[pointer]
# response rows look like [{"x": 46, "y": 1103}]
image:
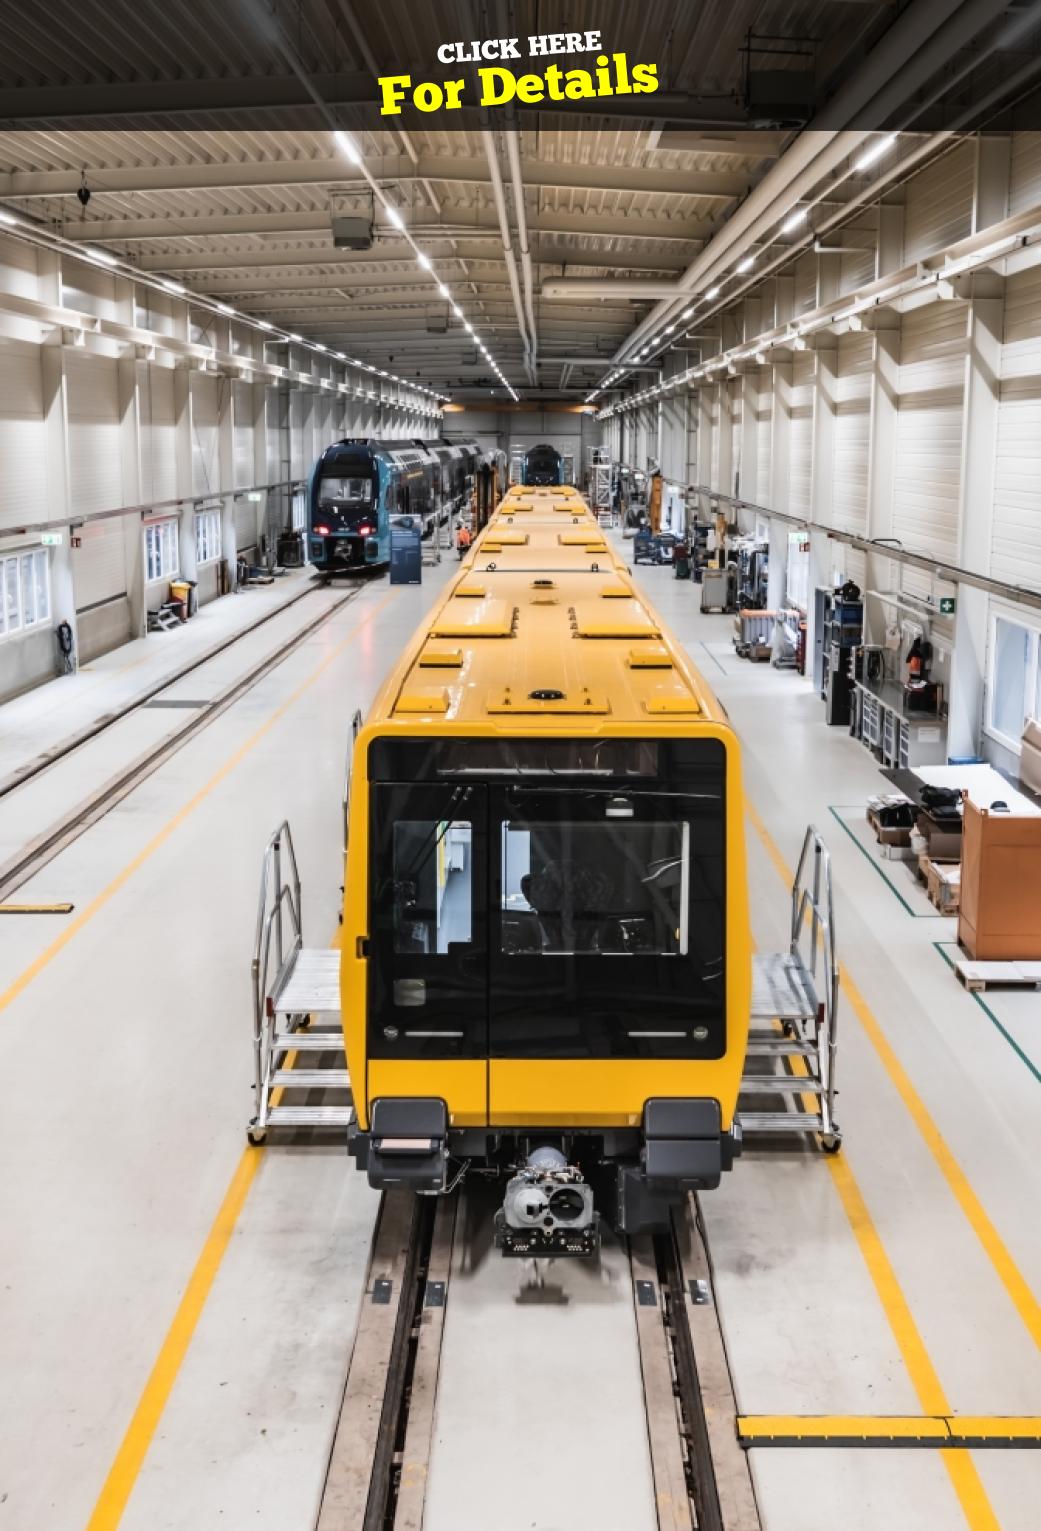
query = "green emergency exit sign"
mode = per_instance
[{"x": 947, "y": 605}]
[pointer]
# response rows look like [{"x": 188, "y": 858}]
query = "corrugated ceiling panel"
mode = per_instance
[
  {"x": 1016, "y": 529},
  {"x": 852, "y": 433},
  {"x": 929, "y": 428},
  {"x": 800, "y": 445},
  {"x": 95, "y": 471},
  {"x": 24, "y": 478},
  {"x": 939, "y": 204}
]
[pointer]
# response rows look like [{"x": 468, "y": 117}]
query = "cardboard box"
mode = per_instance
[{"x": 1000, "y": 915}]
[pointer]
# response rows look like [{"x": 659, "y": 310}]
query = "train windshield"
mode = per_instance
[
  {"x": 610, "y": 888},
  {"x": 338, "y": 492}
]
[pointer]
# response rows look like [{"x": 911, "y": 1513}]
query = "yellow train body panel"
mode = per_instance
[{"x": 542, "y": 651}]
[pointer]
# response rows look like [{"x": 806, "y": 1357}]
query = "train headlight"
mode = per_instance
[{"x": 323, "y": 531}]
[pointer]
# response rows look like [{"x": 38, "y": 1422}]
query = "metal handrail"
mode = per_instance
[
  {"x": 279, "y": 905},
  {"x": 813, "y": 905}
]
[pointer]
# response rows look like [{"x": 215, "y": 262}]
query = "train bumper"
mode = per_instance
[{"x": 344, "y": 552}]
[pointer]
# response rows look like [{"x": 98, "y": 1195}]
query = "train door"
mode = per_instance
[{"x": 428, "y": 972}]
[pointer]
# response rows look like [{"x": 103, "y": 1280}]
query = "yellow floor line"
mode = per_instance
[
  {"x": 1015, "y": 1284},
  {"x": 74, "y": 927},
  {"x": 118, "y": 1486}
]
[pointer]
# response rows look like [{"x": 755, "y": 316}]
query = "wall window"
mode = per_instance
[
  {"x": 162, "y": 557},
  {"x": 25, "y": 592},
  {"x": 207, "y": 536},
  {"x": 1014, "y": 679}
]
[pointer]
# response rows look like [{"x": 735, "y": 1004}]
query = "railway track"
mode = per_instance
[
  {"x": 388, "y": 1431},
  {"x": 31, "y": 857}
]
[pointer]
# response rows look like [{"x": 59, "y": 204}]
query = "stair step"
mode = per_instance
[
  {"x": 310, "y": 983},
  {"x": 312, "y": 1079},
  {"x": 780, "y": 1121},
  {"x": 778, "y": 1084},
  {"x": 783, "y": 1047},
  {"x": 310, "y": 1116},
  {"x": 308, "y": 1041}
]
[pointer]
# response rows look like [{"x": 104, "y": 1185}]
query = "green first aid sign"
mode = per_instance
[{"x": 947, "y": 605}]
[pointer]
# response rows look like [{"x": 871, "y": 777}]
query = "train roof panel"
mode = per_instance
[{"x": 539, "y": 631}]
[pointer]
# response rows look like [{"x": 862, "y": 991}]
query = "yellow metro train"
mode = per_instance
[{"x": 546, "y": 952}]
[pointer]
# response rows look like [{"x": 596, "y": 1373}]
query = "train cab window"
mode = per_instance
[
  {"x": 609, "y": 888},
  {"x": 345, "y": 491},
  {"x": 433, "y": 885}
]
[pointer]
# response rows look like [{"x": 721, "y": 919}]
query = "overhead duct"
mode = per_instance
[
  {"x": 488, "y": 139},
  {"x": 921, "y": 41},
  {"x": 513, "y": 155},
  {"x": 604, "y": 287}
]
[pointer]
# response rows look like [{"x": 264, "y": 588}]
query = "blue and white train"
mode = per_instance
[{"x": 359, "y": 487}]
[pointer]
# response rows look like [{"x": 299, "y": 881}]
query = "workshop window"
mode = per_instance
[
  {"x": 207, "y": 536},
  {"x": 1014, "y": 680},
  {"x": 25, "y": 592},
  {"x": 161, "y": 551}
]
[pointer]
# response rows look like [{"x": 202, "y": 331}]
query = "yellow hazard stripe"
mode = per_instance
[{"x": 952, "y": 1430}]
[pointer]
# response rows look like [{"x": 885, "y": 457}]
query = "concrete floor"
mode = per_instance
[{"x": 899, "y": 1278}]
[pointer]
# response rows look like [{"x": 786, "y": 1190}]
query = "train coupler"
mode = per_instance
[{"x": 547, "y": 1211}]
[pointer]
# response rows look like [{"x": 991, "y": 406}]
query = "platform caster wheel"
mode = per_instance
[
  {"x": 257, "y": 1136},
  {"x": 831, "y": 1143}
]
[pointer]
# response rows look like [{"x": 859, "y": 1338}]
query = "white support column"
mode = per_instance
[
  {"x": 130, "y": 467},
  {"x": 982, "y": 398},
  {"x": 823, "y": 470},
  {"x": 56, "y": 449},
  {"x": 184, "y": 470}
]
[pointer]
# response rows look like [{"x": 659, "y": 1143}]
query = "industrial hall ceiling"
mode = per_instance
[{"x": 198, "y": 141}]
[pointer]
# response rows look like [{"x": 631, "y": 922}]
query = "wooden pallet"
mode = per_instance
[{"x": 985, "y": 975}]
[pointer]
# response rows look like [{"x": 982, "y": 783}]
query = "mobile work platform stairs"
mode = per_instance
[
  {"x": 793, "y": 1037},
  {"x": 791, "y": 1047},
  {"x": 296, "y": 1007}
]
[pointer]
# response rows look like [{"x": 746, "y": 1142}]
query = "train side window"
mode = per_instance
[{"x": 433, "y": 885}]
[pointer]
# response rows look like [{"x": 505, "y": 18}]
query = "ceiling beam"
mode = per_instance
[
  {"x": 226, "y": 175},
  {"x": 354, "y": 266},
  {"x": 471, "y": 221}
]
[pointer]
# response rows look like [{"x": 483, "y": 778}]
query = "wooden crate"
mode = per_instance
[{"x": 942, "y": 883}]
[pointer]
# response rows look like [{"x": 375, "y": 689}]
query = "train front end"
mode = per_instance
[
  {"x": 549, "y": 978},
  {"x": 346, "y": 532}
]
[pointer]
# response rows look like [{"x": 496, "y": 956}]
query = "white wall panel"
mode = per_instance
[
  {"x": 714, "y": 411},
  {"x": 206, "y": 395},
  {"x": 1025, "y": 187},
  {"x": 1016, "y": 530},
  {"x": 18, "y": 268},
  {"x": 89, "y": 289},
  {"x": 23, "y": 481},
  {"x": 857, "y": 268},
  {"x": 929, "y": 428},
  {"x": 939, "y": 203},
  {"x": 852, "y": 432},
  {"x": 158, "y": 442},
  {"x": 800, "y": 461},
  {"x": 805, "y": 283},
  {"x": 242, "y": 434},
  {"x": 95, "y": 469},
  {"x": 736, "y": 406},
  {"x": 99, "y": 563},
  {"x": 759, "y": 488}
]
